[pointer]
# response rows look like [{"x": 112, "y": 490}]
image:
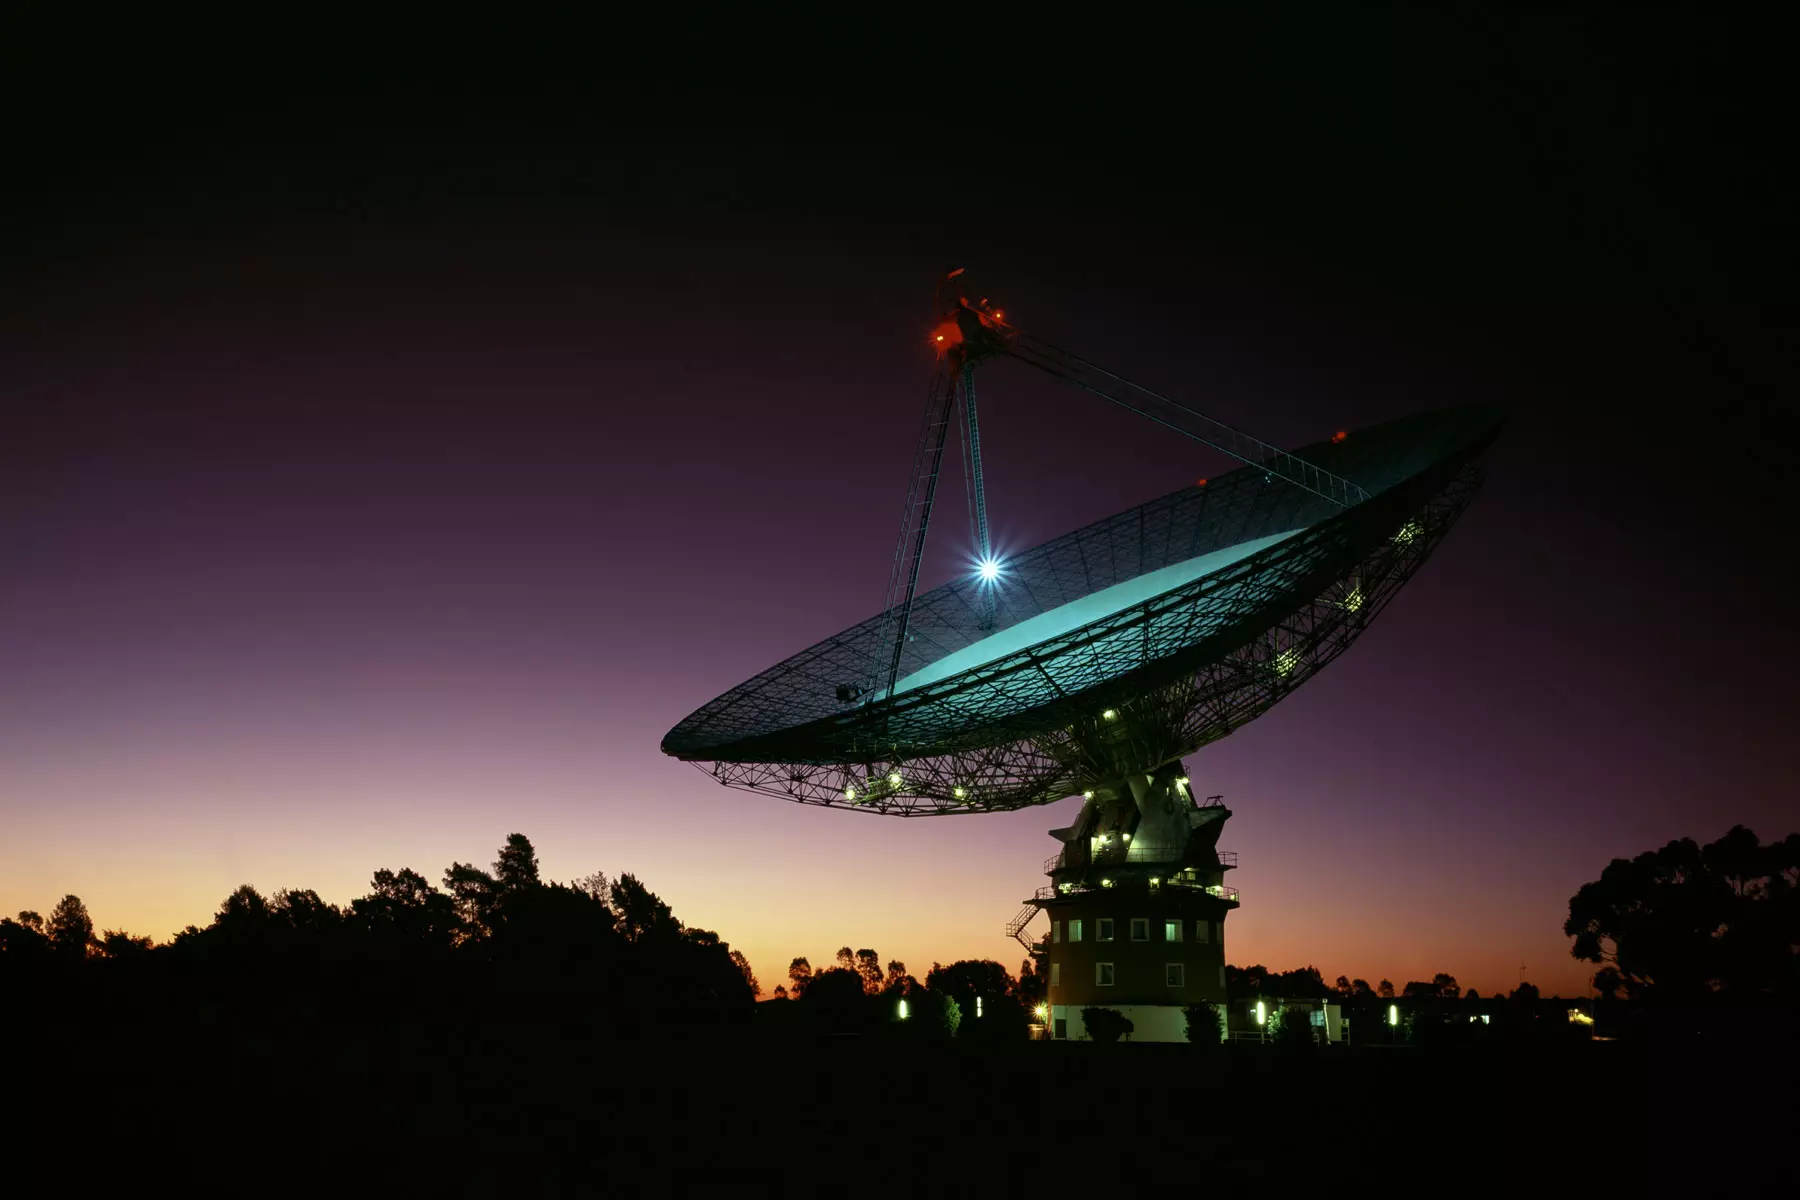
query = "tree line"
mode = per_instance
[
  {"x": 1685, "y": 937},
  {"x": 491, "y": 944},
  {"x": 488, "y": 940},
  {"x": 972, "y": 999}
]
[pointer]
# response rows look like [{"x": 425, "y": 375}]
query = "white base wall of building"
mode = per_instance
[{"x": 1150, "y": 1022}]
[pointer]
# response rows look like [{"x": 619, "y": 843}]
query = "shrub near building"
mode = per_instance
[
  {"x": 1105, "y": 1024},
  {"x": 1205, "y": 1027}
]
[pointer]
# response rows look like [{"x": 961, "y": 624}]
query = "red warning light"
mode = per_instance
[
  {"x": 1199, "y": 483},
  {"x": 1339, "y": 436}
]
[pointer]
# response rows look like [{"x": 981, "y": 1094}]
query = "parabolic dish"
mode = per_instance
[{"x": 1112, "y": 649}]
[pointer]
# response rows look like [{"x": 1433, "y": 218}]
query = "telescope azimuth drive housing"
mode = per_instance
[{"x": 1107, "y": 653}]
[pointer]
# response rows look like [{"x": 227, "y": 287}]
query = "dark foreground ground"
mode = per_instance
[{"x": 403, "y": 1113}]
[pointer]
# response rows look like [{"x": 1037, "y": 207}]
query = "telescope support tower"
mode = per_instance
[{"x": 1137, "y": 903}]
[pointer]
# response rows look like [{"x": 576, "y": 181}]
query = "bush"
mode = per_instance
[
  {"x": 1105, "y": 1024},
  {"x": 930, "y": 1016},
  {"x": 834, "y": 1001},
  {"x": 1002, "y": 1019},
  {"x": 1292, "y": 1029},
  {"x": 1204, "y": 1027}
]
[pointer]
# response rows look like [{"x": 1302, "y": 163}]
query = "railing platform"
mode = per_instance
[
  {"x": 1052, "y": 891},
  {"x": 1123, "y": 852}
]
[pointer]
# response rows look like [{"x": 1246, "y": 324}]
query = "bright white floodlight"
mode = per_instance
[{"x": 990, "y": 570}]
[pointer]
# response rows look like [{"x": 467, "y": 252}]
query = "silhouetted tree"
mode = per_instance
[
  {"x": 1245, "y": 983},
  {"x": 642, "y": 914},
  {"x": 868, "y": 965},
  {"x": 1385, "y": 990},
  {"x": 1441, "y": 987},
  {"x": 475, "y": 896},
  {"x": 1522, "y": 1009},
  {"x": 302, "y": 911},
  {"x": 963, "y": 981},
  {"x": 743, "y": 966},
  {"x": 781, "y": 992},
  {"x": 117, "y": 944},
  {"x": 517, "y": 866},
  {"x": 846, "y": 959},
  {"x": 22, "y": 941},
  {"x": 836, "y": 999},
  {"x": 244, "y": 907},
  {"x": 1361, "y": 1004},
  {"x": 71, "y": 930},
  {"x": 895, "y": 982},
  {"x": 1305, "y": 983},
  {"x": 799, "y": 974},
  {"x": 32, "y": 921},
  {"x": 1686, "y": 924},
  {"x": 987, "y": 996},
  {"x": 404, "y": 914}
]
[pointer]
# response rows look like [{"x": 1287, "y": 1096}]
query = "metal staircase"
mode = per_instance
[{"x": 1016, "y": 927}]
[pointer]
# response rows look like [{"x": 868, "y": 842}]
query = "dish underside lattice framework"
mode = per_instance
[{"x": 1143, "y": 684}]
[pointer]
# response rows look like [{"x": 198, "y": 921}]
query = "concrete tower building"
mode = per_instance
[{"x": 1137, "y": 905}]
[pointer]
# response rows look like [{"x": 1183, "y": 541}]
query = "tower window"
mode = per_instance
[
  {"x": 1055, "y": 974},
  {"x": 1175, "y": 974},
  {"x": 1219, "y": 932},
  {"x": 1103, "y": 974},
  {"x": 1171, "y": 931},
  {"x": 1056, "y": 931},
  {"x": 1103, "y": 929},
  {"x": 1075, "y": 931},
  {"x": 1140, "y": 929},
  {"x": 1203, "y": 932}
]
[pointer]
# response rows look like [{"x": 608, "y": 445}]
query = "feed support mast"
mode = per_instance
[{"x": 966, "y": 332}]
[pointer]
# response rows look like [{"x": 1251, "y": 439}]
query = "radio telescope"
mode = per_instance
[{"x": 1091, "y": 664}]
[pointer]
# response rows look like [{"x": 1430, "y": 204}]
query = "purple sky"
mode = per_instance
[{"x": 355, "y": 515}]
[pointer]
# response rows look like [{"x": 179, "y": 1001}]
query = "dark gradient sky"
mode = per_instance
[{"x": 408, "y": 421}]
